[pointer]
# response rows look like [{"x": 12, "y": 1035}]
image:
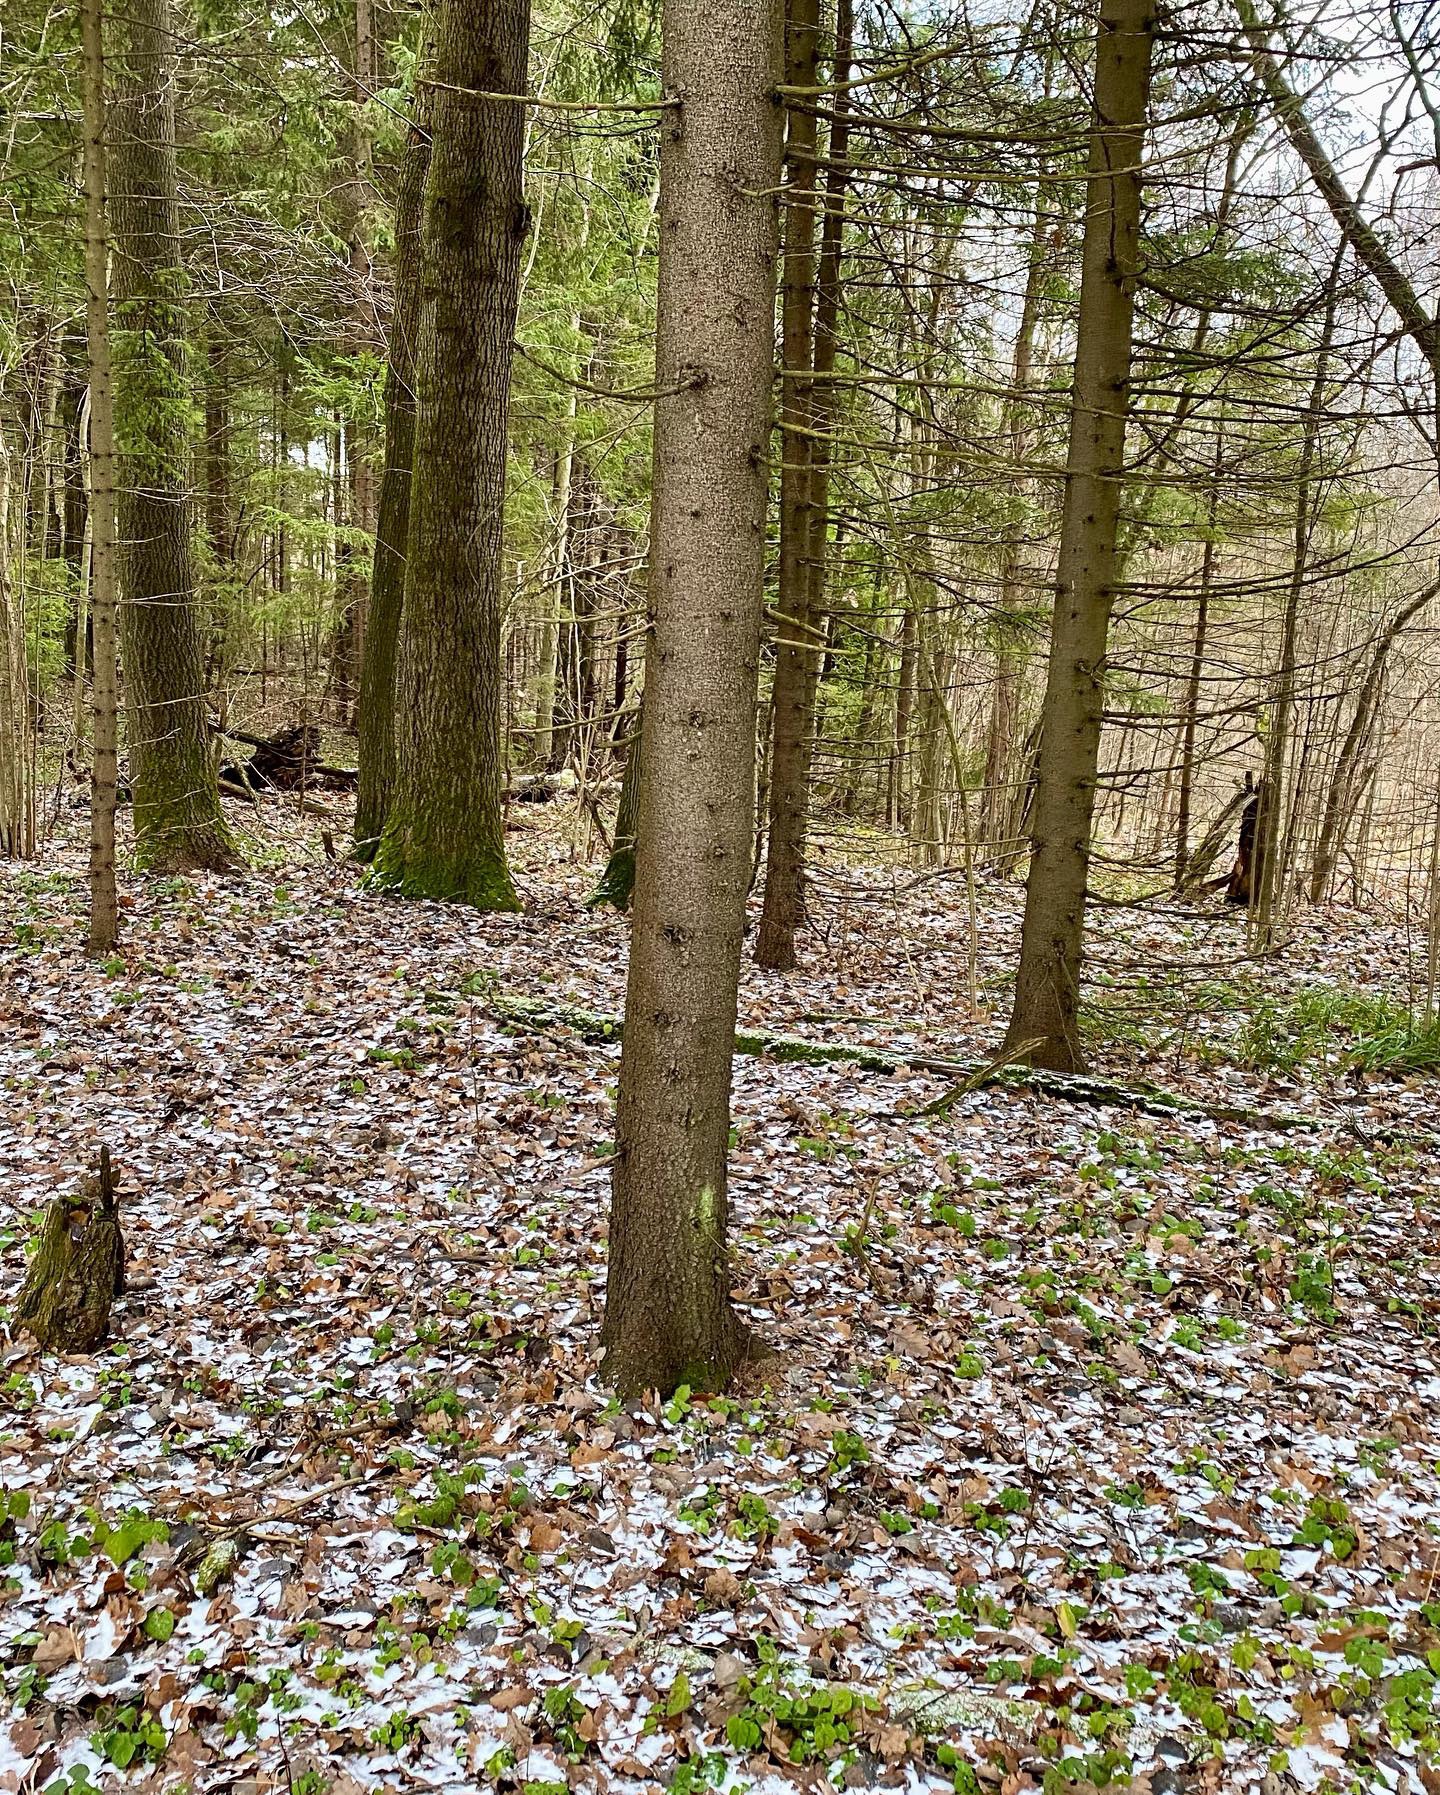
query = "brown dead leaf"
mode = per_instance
[
  {"x": 59, "y": 1647},
  {"x": 506, "y": 1700}
]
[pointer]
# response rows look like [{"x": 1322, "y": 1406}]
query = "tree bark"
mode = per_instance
[
  {"x": 617, "y": 882},
  {"x": 376, "y": 717},
  {"x": 178, "y": 821},
  {"x": 1340, "y": 796},
  {"x": 1191, "y": 713},
  {"x": 104, "y": 914},
  {"x": 444, "y": 835},
  {"x": 668, "y": 1315},
  {"x": 795, "y": 641},
  {"x": 1047, "y": 987}
]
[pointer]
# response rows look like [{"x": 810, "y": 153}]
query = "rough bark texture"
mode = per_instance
[
  {"x": 178, "y": 822},
  {"x": 1047, "y": 987},
  {"x": 668, "y": 1317},
  {"x": 376, "y": 718},
  {"x": 78, "y": 1269},
  {"x": 444, "y": 834},
  {"x": 796, "y": 641},
  {"x": 104, "y": 913},
  {"x": 617, "y": 882}
]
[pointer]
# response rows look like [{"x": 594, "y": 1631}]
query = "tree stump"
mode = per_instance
[{"x": 78, "y": 1269}]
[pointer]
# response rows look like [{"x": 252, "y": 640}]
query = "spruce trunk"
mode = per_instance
[
  {"x": 1045, "y": 1019},
  {"x": 796, "y": 639},
  {"x": 444, "y": 834},
  {"x": 178, "y": 821},
  {"x": 376, "y": 719},
  {"x": 100, "y": 516},
  {"x": 668, "y": 1316}
]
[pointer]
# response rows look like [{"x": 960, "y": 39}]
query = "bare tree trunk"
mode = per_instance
[
  {"x": 999, "y": 803},
  {"x": 444, "y": 835},
  {"x": 387, "y": 580},
  {"x": 1339, "y": 797},
  {"x": 795, "y": 640},
  {"x": 178, "y": 822},
  {"x": 104, "y": 914},
  {"x": 1045, "y": 1019},
  {"x": 1191, "y": 713},
  {"x": 668, "y": 1316},
  {"x": 1268, "y": 890},
  {"x": 897, "y": 814}
]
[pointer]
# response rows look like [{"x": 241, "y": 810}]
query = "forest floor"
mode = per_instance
[{"x": 1094, "y": 1446}]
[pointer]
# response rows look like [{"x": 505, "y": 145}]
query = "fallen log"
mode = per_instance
[{"x": 1071, "y": 1087}]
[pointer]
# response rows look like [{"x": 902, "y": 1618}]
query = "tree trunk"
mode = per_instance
[
  {"x": 217, "y": 495},
  {"x": 1268, "y": 887},
  {"x": 444, "y": 835},
  {"x": 668, "y": 1317},
  {"x": 178, "y": 821},
  {"x": 1191, "y": 714},
  {"x": 100, "y": 513},
  {"x": 387, "y": 580},
  {"x": 795, "y": 640},
  {"x": 999, "y": 803},
  {"x": 1339, "y": 798},
  {"x": 617, "y": 882},
  {"x": 1047, "y": 986}
]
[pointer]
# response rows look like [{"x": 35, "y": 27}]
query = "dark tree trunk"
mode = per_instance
[
  {"x": 376, "y": 717},
  {"x": 444, "y": 835},
  {"x": 1045, "y": 1019},
  {"x": 795, "y": 637},
  {"x": 178, "y": 822}
]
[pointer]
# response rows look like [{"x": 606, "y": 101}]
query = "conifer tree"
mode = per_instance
[
  {"x": 668, "y": 1315},
  {"x": 178, "y": 821},
  {"x": 443, "y": 834}
]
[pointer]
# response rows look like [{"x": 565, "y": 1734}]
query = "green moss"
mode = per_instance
[
  {"x": 617, "y": 882},
  {"x": 476, "y": 877}
]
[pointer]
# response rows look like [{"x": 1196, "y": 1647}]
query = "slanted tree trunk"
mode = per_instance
[
  {"x": 1047, "y": 986},
  {"x": 668, "y": 1315},
  {"x": 178, "y": 821},
  {"x": 1343, "y": 788},
  {"x": 444, "y": 834},
  {"x": 795, "y": 637},
  {"x": 100, "y": 512},
  {"x": 376, "y": 717}
]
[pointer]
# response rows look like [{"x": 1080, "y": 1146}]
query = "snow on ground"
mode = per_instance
[{"x": 1093, "y": 1449}]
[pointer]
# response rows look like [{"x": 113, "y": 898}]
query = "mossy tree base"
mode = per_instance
[
  {"x": 480, "y": 879},
  {"x": 78, "y": 1269},
  {"x": 617, "y": 882},
  {"x": 197, "y": 848}
]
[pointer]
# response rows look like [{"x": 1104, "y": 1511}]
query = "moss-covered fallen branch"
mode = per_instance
[{"x": 1071, "y": 1087}]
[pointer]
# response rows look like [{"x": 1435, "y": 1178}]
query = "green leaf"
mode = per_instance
[
  {"x": 159, "y": 1624},
  {"x": 679, "y": 1698}
]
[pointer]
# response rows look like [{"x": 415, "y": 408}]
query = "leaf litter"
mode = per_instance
[{"x": 1092, "y": 1450}]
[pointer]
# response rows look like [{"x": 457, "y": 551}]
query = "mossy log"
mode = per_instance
[
  {"x": 1072, "y": 1087},
  {"x": 78, "y": 1269}
]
